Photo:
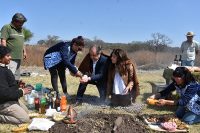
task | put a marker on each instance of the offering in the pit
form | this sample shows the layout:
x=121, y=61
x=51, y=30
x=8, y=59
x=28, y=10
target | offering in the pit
x=180, y=125
x=169, y=126
x=154, y=119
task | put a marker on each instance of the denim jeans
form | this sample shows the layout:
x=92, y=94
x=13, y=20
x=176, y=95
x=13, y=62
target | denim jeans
x=187, y=63
x=191, y=118
x=82, y=88
x=180, y=112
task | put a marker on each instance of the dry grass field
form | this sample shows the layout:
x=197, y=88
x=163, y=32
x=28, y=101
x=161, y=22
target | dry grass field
x=145, y=90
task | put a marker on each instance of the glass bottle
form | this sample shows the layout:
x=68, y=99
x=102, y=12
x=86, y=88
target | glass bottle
x=57, y=103
x=37, y=103
x=180, y=61
x=54, y=98
x=50, y=102
x=176, y=60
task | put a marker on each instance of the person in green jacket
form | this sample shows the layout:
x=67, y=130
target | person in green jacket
x=12, y=36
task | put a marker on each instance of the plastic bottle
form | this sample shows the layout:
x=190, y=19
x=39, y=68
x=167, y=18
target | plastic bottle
x=38, y=88
x=42, y=108
x=30, y=100
x=47, y=100
x=63, y=103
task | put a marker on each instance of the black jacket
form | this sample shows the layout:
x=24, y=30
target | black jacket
x=9, y=90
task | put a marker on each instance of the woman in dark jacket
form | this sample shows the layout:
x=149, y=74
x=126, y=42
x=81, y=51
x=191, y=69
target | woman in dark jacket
x=186, y=87
x=61, y=56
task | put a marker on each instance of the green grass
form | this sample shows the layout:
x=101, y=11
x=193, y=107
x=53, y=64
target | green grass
x=145, y=91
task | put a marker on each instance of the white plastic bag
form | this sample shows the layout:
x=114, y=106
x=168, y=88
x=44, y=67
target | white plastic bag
x=40, y=124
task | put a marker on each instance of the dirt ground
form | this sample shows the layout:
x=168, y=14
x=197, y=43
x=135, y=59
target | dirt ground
x=101, y=123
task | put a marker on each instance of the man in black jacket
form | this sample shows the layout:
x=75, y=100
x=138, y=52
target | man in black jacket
x=95, y=66
x=11, y=111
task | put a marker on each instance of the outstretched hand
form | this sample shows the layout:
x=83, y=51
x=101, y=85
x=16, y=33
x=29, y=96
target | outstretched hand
x=84, y=79
x=161, y=102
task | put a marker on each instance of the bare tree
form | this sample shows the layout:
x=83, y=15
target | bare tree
x=159, y=41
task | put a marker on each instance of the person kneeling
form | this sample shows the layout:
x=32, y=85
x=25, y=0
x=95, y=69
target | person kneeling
x=122, y=84
x=94, y=66
x=186, y=88
x=11, y=110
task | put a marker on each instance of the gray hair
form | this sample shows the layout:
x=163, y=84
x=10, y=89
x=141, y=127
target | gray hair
x=98, y=48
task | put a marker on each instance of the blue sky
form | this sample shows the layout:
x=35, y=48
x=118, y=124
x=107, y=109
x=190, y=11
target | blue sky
x=109, y=20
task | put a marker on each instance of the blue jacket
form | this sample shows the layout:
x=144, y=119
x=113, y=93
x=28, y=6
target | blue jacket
x=190, y=90
x=61, y=52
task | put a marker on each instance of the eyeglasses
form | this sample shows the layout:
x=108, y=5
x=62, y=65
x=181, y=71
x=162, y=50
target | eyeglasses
x=19, y=22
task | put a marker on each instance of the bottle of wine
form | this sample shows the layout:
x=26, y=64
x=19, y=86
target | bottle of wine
x=57, y=103
x=176, y=60
x=180, y=61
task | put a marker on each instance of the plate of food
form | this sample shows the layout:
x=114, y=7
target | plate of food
x=166, y=122
x=155, y=119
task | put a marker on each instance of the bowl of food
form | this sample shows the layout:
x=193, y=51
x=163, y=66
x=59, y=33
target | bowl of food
x=58, y=116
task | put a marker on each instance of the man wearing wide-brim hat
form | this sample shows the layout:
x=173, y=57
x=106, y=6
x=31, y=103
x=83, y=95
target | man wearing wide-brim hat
x=189, y=50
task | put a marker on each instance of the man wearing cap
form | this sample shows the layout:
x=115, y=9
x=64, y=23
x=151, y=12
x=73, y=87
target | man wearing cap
x=189, y=49
x=12, y=36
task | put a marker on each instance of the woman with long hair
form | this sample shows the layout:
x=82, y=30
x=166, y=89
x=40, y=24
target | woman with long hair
x=122, y=79
x=61, y=56
x=186, y=88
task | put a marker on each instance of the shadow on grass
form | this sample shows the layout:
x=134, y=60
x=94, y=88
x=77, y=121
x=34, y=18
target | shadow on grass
x=162, y=108
x=93, y=100
x=145, y=96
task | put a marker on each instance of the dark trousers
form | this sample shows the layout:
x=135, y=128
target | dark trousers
x=58, y=70
x=82, y=87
